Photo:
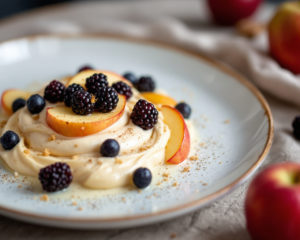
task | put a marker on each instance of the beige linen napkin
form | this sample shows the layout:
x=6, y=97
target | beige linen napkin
x=249, y=57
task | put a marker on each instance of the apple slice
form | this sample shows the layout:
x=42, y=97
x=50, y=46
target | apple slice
x=65, y=122
x=178, y=146
x=112, y=77
x=157, y=98
x=9, y=96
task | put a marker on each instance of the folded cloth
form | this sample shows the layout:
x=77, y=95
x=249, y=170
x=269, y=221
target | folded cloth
x=249, y=57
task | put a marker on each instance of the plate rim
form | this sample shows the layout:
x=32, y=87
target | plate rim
x=184, y=208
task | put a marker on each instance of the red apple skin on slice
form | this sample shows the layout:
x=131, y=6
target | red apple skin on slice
x=63, y=121
x=112, y=77
x=9, y=96
x=178, y=146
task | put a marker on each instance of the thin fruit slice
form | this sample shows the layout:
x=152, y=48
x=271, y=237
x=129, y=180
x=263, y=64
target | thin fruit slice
x=157, y=98
x=112, y=77
x=9, y=96
x=178, y=146
x=65, y=122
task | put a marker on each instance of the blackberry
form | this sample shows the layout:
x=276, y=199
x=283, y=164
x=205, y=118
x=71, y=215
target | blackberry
x=123, y=89
x=145, y=84
x=18, y=103
x=55, y=92
x=85, y=67
x=82, y=103
x=9, y=140
x=95, y=82
x=110, y=148
x=130, y=77
x=144, y=114
x=55, y=177
x=35, y=104
x=142, y=177
x=184, y=109
x=296, y=127
x=69, y=93
x=107, y=100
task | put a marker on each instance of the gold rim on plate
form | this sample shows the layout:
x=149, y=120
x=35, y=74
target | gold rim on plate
x=184, y=208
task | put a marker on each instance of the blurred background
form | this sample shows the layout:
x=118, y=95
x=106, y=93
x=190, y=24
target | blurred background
x=10, y=7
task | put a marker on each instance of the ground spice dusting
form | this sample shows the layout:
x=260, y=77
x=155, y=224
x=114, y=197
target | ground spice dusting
x=118, y=161
x=26, y=151
x=36, y=117
x=193, y=158
x=46, y=152
x=44, y=198
x=52, y=138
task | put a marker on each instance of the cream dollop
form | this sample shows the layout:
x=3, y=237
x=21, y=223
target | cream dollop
x=41, y=146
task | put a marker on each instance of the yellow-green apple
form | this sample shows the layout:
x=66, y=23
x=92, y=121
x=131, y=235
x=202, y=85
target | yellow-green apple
x=157, y=98
x=273, y=203
x=9, y=96
x=62, y=120
x=178, y=146
x=229, y=12
x=112, y=77
x=284, y=36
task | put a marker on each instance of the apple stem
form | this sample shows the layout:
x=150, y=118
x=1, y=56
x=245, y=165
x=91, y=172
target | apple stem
x=296, y=178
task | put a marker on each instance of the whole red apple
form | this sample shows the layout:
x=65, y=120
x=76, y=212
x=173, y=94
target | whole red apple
x=229, y=12
x=284, y=36
x=273, y=203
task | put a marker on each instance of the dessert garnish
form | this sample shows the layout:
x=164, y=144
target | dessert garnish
x=107, y=99
x=85, y=67
x=95, y=82
x=82, y=103
x=144, y=114
x=69, y=93
x=9, y=140
x=145, y=84
x=123, y=89
x=142, y=177
x=110, y=148
x=18, y=103
x=35, y=104
x=130, y=77
x=184, y=109
x=55, y=92
x=95, y=128
x=55, y=177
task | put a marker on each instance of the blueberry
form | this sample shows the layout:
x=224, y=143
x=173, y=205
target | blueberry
x=85, y=67
x=36, y=104
x=9, y=140
x=110, y=148
x=296, y=127
x=142, y=177
x=130, y=77
x=18, y=103
x=145, y=84
x=184, y=109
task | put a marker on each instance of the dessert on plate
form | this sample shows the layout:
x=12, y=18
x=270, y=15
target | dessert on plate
x=96, y=128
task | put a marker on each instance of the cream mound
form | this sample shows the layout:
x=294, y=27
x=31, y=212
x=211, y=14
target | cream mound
x=41, y=146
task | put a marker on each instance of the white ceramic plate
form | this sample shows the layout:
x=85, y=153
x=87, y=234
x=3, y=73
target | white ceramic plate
x=232, y=119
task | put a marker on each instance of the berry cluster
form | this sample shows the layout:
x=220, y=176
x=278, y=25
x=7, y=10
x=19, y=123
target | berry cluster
x=55, y=92
x=143, y=84
x=144, y=114
x=98, y=96
x=55, y=177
